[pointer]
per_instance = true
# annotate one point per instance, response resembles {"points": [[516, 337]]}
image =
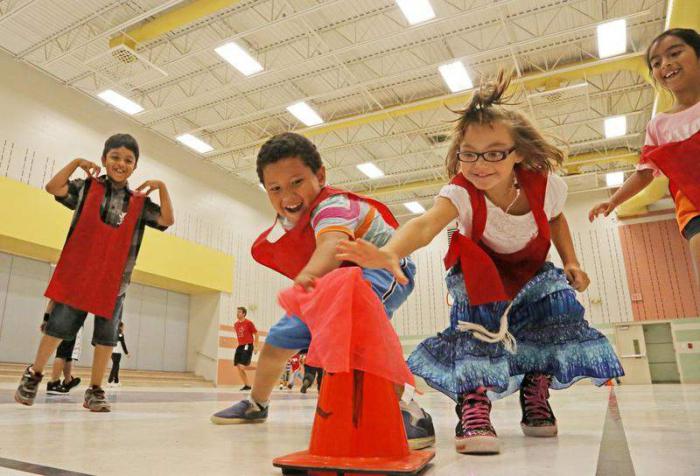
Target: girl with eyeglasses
{"points": [[515, 324]]}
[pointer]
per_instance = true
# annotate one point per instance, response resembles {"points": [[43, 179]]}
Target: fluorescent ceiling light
{"points": [[239, 58], [414, 207], [615, 126], [614, 179], [120, 102], [305, 114], [194, 143], [416, 11], [455, 76], [612, 38], [370, 170]]}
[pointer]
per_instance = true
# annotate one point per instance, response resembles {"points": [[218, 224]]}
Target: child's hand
{"points": [[149, 186], [605, 208], [577, 277], [368, 255], [306, 281], [91, 168]]}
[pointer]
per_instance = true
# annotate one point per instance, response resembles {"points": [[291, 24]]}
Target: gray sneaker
{"points": [[96, 401], [28, 386], [418, 425], [244, 411]]}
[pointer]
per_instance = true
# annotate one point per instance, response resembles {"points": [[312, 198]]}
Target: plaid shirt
{"points": [[112, 211]]}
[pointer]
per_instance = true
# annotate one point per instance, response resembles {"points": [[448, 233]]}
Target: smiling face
{"points": [[674, 64], [292, 187], [119, 164], [488, 137]]}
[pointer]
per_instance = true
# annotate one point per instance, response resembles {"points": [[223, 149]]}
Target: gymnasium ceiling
{"points": [[371, 76]]}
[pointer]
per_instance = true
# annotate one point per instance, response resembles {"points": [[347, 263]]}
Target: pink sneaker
{"points": [[538, 417], [474, 433]]}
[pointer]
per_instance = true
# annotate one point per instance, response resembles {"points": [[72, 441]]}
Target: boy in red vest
{"points": [[98, 257], [315, 218]]}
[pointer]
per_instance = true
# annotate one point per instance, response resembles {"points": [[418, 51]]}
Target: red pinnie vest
{"points": [[680, 162], [289, 254], [491, 276], [89, 272]]}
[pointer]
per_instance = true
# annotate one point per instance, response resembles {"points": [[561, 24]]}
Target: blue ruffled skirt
{"points": [[550, 330]]}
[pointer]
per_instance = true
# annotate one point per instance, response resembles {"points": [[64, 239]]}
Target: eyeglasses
{"points": [[488, 156]]}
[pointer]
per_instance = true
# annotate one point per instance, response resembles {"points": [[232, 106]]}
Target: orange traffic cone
{"points": [[358, 427]]}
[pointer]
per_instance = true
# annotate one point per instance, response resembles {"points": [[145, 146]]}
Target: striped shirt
{"points": [[355, 218], [112, 211]]}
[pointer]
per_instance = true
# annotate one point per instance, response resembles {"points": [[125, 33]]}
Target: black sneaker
{"points": [[74, 382], [55, 388], [245, 387], [95, 400], [305, 385], [538, 417], [244, 411], [418, 425], [28, 386]]}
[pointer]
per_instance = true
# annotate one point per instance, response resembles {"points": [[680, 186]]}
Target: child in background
{"points": [[117, 357], [295, 370], [672, 144], [67, 352], [515, 324], [98, 257]]}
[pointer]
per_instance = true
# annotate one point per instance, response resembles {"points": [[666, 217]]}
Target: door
{"points": [[629, 339], [661, 353]]}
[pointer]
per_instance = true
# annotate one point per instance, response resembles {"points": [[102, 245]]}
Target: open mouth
{"points": [[672, 74], [293, 208]]}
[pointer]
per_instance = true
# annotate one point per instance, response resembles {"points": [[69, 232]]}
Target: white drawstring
{"points": [[484, 335]]}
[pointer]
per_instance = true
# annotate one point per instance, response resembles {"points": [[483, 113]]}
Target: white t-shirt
{"points": [[506, 233]]}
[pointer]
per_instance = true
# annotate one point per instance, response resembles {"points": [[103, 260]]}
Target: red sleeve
{"points": [[253, 330]]}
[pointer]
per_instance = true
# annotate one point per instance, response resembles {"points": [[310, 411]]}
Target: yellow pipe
{"points": [[681, 14], [616, 155], [175, 18], [632, 62]]}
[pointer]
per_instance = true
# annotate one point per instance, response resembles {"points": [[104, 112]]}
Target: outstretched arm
{"points": [[415, 234], [636, 182], [323, 260]]}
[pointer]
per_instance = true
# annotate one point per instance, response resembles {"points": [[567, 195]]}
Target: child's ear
{"points": [[321, 176]]}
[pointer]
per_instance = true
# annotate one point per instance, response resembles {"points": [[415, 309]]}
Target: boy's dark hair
{"points": [[284, 146], [243, 310], [689, 36], [121, 140]]}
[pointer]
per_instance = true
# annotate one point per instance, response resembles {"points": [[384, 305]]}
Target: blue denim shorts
{"points": [[692, 228], [290, 332], [65, 322]]}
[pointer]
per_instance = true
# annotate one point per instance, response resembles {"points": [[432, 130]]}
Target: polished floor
{"points": [[643, 430]]}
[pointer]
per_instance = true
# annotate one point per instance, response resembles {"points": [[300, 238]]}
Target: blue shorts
{"points": [[290, 332], [692, 228]]}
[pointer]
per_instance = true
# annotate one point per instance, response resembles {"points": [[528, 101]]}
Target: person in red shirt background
{"points": [[247, 337]]}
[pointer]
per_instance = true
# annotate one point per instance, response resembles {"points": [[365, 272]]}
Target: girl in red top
{"points": [[508, 205], [672, 144]]}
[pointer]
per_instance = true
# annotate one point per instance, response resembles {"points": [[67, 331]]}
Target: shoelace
{"points": [[536, 395], [475, 410]]}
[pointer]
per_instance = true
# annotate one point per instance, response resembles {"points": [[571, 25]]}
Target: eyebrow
{"points": [[675, 45], [492, 144]]}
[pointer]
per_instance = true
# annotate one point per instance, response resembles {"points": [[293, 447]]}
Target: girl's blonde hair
{"points": [[486, 107]]}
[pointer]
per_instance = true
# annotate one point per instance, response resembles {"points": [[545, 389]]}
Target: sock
{"points": [[260, 405]]}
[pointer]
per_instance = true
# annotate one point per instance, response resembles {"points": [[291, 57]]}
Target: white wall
{"points": [[156, 320], [203, 333]]}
